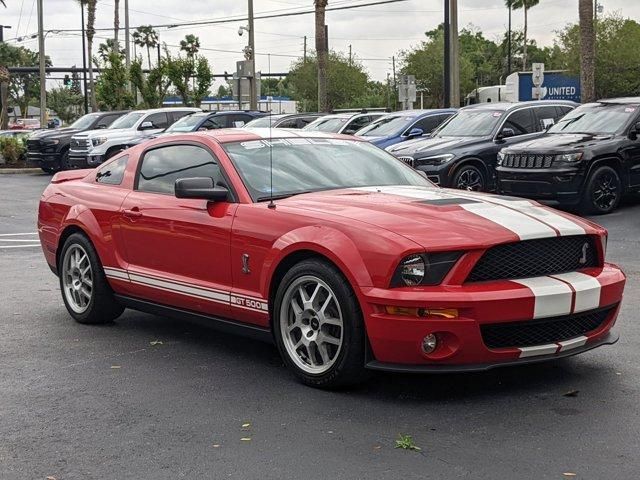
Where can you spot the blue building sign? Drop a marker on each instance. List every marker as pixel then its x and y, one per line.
pixel 556 86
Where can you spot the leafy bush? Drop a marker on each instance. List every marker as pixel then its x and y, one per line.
pixel 12 149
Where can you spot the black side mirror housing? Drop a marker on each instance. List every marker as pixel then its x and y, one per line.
pixel 202 188
pixel 506 132
pixel 416 132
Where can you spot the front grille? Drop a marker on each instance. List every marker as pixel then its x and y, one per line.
pixel 407 160
pixel 534 258
pixel 516 160
pixel 80 144
pixel 33 145
pixel 543 331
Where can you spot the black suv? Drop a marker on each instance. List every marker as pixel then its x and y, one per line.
pixel 49 149
pixel 589 159
pixel 463 151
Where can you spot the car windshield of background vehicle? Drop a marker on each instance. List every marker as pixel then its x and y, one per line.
pixel 128 121
pixel 185 124
pixel 596 119
pixel 330 125
pixel 264 122
pixel 302 165
pixel 471 123
pixel 85 121
pixel 385 126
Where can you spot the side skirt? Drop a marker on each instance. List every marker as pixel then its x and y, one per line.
pixel 217 323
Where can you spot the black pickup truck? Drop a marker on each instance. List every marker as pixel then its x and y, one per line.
pixel 49 149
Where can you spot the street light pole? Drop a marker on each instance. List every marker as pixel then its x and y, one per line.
pixel 43 79
pixel 253 100
pixel 127 51
pixel 509 45
pixel 84 62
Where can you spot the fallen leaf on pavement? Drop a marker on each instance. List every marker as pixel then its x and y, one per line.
pixel 216 445
pixel 246 425
pixel 156 342
pixel 51 478
pixel 115 367
pixel 569 474
pixel 245 439
pixel 571 393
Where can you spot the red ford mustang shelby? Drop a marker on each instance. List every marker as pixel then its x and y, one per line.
pixel 345 256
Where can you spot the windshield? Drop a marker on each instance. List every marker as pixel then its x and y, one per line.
pixel 332 125
pixel 186 124
pixel 471 123
pixel 303 165
pixel 386 126
pixel 599 118
pixel 263 122
pixel 85 121
pixel 128 121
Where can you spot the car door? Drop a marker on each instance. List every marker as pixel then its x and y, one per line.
pixel 178 250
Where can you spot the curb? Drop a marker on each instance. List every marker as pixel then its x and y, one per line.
pixel 9 171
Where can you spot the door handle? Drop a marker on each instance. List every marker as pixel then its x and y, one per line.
pixel 132 213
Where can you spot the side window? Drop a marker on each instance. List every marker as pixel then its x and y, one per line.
pixel 357 123
pixel 304 121
pixel 521 122
pixel 547 116
pixel 562 111
pixel 429 124
pixel 113 172
pixel 289 123
pixel 214 122
pixel 238 120
pixel 108 120
pixel 161 167
pixel 178 114
pixel 158 120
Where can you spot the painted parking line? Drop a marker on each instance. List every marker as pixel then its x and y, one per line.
pixel 12 240
pixel 19 246
pixel 17 234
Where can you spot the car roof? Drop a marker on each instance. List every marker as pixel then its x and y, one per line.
pixel 621 100
pixel 504 106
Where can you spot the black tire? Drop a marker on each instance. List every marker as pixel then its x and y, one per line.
pixel 64 161
pixel 602 192
pixel 48 170
pixel 102 306
pixel 469 177
pixel 348 363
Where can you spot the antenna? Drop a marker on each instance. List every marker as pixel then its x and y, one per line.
pixel 271 204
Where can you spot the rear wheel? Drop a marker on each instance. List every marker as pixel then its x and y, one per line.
pixel 602 192
pixel 469 177
pixel 318 326
pixel 85 290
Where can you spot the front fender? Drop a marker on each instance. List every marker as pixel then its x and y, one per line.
pixel 324 240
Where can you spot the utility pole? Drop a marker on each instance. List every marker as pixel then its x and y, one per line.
pixel 509 45
pixel 446 90
pixel 454 62
pixel 127 37
pixel 304 57
pixel 84 61
pixel 43 78
pixel 395 86
pixel 253 92
pixel 350 55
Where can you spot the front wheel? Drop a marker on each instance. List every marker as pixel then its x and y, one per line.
pixel 602 192
pixel 469 177
pixel 85 290
pixel 318 326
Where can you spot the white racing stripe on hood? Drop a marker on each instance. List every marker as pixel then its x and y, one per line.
pixel 564 225
pixel 523 226
pixel 406 191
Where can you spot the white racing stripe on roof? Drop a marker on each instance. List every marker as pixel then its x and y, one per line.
pixel 523 226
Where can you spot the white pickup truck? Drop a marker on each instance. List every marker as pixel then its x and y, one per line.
pixel 89 149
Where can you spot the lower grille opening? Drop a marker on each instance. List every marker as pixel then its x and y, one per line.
pixel 544 330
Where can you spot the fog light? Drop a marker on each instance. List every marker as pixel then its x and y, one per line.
pixel 429 343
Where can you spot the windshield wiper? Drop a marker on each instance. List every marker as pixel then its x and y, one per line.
pixel 264 198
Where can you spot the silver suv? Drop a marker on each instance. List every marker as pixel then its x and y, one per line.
pixel 89 149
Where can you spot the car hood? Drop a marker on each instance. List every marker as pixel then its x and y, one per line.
pixel 441 219
pixel 423 147
pixel 56 133
pixel 108 133
pixel 559 142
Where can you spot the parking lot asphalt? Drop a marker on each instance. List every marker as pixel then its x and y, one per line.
pixel 153 398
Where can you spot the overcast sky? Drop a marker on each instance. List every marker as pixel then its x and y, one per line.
pixel 375 33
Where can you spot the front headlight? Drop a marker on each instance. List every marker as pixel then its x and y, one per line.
pixel 500 158
pixel 98 141
pixel 53 141
pixel 435 160
pixel 569 157
pixel 424 269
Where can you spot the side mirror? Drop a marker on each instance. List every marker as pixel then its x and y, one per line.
pixel 635 130
pixel 506 132
pixel 101 126
pixel 415 132
pixel 146 126
pixel 201 188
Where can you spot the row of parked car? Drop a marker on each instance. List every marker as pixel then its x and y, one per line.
pixel 585 156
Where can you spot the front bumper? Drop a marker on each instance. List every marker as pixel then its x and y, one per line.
pixel 396 340
pixel 43 159
pixel 553 184
pixel 79 159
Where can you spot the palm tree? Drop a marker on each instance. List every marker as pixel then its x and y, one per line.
pixel 190 45
pixel 116 23
pixel 146 36
pixel 587 51
pixel 525 5
pixel 109 46
pixel 322 54
pixel 90 31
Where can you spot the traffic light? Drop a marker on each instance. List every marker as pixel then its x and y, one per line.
pixel 67 81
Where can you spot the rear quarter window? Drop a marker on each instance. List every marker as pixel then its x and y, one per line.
pixel 112 173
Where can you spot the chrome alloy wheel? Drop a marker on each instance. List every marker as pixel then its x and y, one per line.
pixel 77 278
pixel 311 324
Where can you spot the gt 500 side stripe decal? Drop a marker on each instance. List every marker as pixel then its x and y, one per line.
pixel 195 291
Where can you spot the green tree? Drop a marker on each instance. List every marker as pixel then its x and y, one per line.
pixel 111 89
pixel 190 45
pixel 345 81
pixel 65 102
pixel 146 37
pixel 191 77
pixel 223 91
pixel 153 87
pixel 104 49
pixel 525 5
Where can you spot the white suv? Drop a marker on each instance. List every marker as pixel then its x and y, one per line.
pixel 89 149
